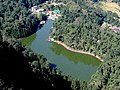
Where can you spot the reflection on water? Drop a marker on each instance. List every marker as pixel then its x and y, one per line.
pixel 28 40
pixel 74 57
pixel 79 66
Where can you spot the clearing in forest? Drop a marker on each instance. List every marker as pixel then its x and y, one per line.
pixel 110 6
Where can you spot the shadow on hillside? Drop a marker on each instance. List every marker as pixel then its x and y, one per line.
pixel 17 74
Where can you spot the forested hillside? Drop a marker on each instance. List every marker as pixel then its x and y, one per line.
pixel 20 68
pixel 16 19
pixel 107 77
pixel 82 27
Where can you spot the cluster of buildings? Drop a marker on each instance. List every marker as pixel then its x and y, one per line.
pixel 53 14
pixel 37 10
pixel 49 14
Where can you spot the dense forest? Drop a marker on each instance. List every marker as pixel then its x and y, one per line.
pixel 81 28
pixel 107 77
pixel 16 19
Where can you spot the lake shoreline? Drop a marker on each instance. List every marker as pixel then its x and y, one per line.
pixel 73 50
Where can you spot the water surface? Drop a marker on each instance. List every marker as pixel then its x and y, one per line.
pixel 79 66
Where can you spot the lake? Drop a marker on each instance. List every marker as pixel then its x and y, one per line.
pixel 79 66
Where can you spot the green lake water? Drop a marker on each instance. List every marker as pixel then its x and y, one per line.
pixel 79 66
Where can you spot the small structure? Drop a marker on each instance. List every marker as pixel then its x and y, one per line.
pixel 57 11
pixel 52 16
pixel 53 66
pixel 39 10
pixel 115 29
pixel 35 9
pixel 42 22
pixel 56 4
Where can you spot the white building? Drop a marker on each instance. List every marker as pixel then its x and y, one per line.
pixel 35 9
pixel 42 22
pixel 39 10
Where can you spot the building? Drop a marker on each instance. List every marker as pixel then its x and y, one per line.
pixel 57 11
pixel 35 9
pixel 42 22
pixel 39 10
pixel 115 29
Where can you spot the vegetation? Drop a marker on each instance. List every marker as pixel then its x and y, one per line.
pixel 81 29
pixel 16 19
pixel 107 77
pixel 75 57
pixel 29 40
pixel 22 69
pixel 110 6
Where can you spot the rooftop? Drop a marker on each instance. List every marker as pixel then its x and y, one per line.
pixel 57 11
